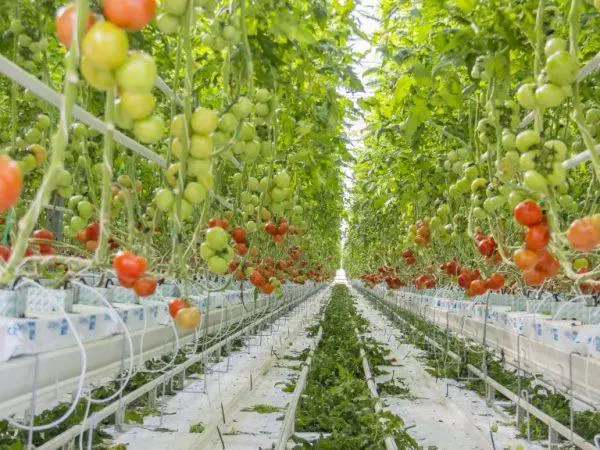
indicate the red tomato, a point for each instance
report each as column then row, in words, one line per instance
column 283, row 228
column 130, row 14
column 28, row 252
column 584, row 234
column 525, row 259
column 534, row 277
column 47, row 250
column 126, row 283
column 5, row 253
column 547, row 263
column 175, row 305
column 145, row 287
column 11, row 183
column 92, row 231
column 241, row 249
column 495, row 282
column 66, row 17
column 43, row 234
column 410, row 260
column 537, row 237
column 80, row 236
column 486, row 247
column 91, row 246
column 271, row 228
column 464, row 280
column 257, row 279
column 212, row 222
column 129, row 266
column 238, row 234
column 278, row 238
column 267, row 288
column 223, row 223
column 528, row 213
column 477, row 287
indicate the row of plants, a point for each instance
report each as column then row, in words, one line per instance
column 12, row 438
column 337, row 399
column 252, row 140
column 586, row 423
column 477, row 106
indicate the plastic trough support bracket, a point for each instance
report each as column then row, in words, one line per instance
column 597, row 441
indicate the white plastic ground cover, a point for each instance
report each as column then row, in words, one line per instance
column 555, row 364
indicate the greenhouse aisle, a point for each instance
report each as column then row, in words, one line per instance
column 461, row 420
column 255, row 376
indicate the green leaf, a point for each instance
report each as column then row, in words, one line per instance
column 403, row 85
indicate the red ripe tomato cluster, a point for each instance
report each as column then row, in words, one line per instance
column 278, row 232
column 216, row 222
column 131, row 270
column 475, row 284
column 409, row 257
column 41, row 239
column 487, row 246
column 584, row 234
column 390, row 276
column 238, row 234
column 371, row 279
column 534, row 260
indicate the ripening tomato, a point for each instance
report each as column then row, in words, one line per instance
column 525, row 259
column 537, row 237
column 547, row 263
column 80, row 236
column 66, row 18
column 241, row 248
column 528, row 213
column 223, row 223
column 132, row 15
column 410, row 260
column 11, row 183
column 188, row 318
column 91, row 245
column 106, row 46
column 283, row 228
column 278, row 238
column 486, row 247
column 129, row 266
column 495, row 282
column 534, row 277
column 175, row 305
column 212, row 222
column 238, row 234
column 145, row 287
column 584, row 234
column 47, row 250
column 464, row 280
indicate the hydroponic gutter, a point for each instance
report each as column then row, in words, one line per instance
column 119, row 406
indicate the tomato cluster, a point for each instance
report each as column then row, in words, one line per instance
column 131, row 270
column 186, row 315
column 409, row 256
column 584, row 234
column 534, row 260
column 278, row 232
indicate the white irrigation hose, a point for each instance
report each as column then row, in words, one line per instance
column 80, row 383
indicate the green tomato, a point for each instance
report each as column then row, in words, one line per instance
column 85, row 209
column 299, row 210
column 478, row 183
column 137, row 74
column 562, row 68
column 535, row 181
column 65, row 191
column 167, row 23
column 253, row 184
column 217, row 238
column 554, row 45
column 262, row 109
column 512, row 159
column 178, row 126
column 559, row 149
column 236, row 179
column 63, row 178
column 509, row 141
column 526, row 96
column 77, row 223
column 567, row 202
column 494, row 203
column 33, row 136
column 278, row 195
column 463, row 185
column 471, row 172
column 248, row 209
column 73, row 201
column 186, row 210
column 149, row 130
column 549, row 95
column 514, row 198
column 264, row 184
column 243, row 108
column 207, row 180
column 251, row 226
column 262, row 95
column 228, row 123
column 479, row 213
column 199, row 167
column 195, row 193
column 106, row 45
column 43, row 122
column 581, row 263
column 201, row 146
column 164, row 199
column 217, row 265
column 248, row 132
column 527, row 139
column 282, row 179
column 252, row 151
column 204, row 121
column 527, row 161
column 175, row 7
column 206, row 251
column 246, row 198
column 452, row 156
column 558, row 175
column 592, row 116
column 122, row 119
column 138, row 106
